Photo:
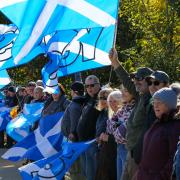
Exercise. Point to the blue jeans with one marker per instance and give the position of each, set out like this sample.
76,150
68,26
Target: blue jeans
178,163
121,158
88,162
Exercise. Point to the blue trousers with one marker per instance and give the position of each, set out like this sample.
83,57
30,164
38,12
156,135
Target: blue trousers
121,158
178,163
88,162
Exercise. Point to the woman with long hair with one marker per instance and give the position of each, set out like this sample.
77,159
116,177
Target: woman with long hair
106,169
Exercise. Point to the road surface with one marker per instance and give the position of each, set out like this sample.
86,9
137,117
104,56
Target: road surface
9,170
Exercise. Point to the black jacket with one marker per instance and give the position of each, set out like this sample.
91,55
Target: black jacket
52,107
86,128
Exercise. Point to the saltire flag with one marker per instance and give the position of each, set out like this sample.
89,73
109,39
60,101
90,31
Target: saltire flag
8,34
49,74
20,127
4,78
56,166
44,142
2,99
72,51
36,19
4,116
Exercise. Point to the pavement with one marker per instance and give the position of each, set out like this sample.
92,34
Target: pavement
9,170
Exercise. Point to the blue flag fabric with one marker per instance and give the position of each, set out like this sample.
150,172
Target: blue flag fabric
45,141
56,166
19,127
8,35
2,101
4,78
33,109
37,19
49,74
4,116
73,51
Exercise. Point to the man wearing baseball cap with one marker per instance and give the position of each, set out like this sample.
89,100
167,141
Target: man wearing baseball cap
157,80
137,86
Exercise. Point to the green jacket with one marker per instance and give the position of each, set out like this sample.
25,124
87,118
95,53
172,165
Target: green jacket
135,124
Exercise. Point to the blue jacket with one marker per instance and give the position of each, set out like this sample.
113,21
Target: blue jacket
71,116
52,107
101,122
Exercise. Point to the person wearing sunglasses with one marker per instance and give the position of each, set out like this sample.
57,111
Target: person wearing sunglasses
105,165
157,80
107,169
137,86
86,128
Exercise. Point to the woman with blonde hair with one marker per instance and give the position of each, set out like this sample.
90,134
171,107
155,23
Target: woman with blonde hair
102,106
106,169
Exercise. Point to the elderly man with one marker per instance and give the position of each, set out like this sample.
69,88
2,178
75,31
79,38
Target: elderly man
136,85
86,128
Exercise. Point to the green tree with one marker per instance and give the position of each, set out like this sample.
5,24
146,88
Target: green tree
147,35
154,40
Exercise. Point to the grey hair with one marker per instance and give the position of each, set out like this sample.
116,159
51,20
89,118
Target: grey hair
116,95
103,92
39,88
94,78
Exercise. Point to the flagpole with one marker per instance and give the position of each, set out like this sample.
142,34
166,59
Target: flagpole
114,40
77,77
116,25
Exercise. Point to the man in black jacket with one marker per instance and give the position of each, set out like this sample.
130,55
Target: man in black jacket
86,128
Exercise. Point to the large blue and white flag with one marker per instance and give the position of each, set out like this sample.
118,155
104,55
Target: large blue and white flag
56,166
36,19
20,127
4,78
44,142
49,74
8,35
4,116
73,51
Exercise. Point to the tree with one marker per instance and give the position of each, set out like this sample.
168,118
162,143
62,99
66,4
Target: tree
147,35
154,39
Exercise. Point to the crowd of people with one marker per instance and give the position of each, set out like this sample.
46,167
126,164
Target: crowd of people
136,126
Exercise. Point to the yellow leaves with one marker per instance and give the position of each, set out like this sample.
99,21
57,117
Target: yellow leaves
14,112
157,4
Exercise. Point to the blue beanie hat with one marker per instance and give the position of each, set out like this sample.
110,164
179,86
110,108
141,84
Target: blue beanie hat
167,96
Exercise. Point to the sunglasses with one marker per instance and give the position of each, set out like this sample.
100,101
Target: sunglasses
155,83
102,98
90,85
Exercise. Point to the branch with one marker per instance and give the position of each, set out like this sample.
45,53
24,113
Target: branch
149,19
